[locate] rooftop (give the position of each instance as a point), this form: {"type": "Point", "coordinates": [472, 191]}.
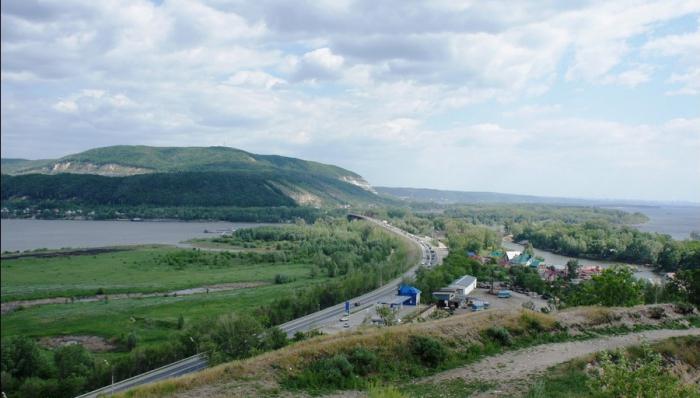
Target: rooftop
{"type": "Point", "coordinates": [464, 281]}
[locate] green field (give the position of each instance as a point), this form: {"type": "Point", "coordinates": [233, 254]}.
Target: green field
{"type": "Point", "coordinates": [141, 270]}
{"type": "Point", "coordinates": [152, 319]}
{"type": "Point", "coordinates": [303, 255]}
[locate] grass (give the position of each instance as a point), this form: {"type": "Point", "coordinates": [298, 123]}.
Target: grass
{"type": "Point", "coordinates": [566, 381]}
{"type": "Point", "coordinates": [153, 319]}
{"type": "Point", "coordinates": [140, 270]}
{"type": "Point", "coordinates": [456, 388]}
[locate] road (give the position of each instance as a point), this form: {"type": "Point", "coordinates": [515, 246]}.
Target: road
{"type": "Point", "coordinates": [179, 368]}
{"type": "Point", "coordinates": [429, 257]}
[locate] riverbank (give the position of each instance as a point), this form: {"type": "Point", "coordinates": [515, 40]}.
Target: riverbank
{"type": "Point", "coordinates": [26, 234]}
{"type": "Point", "coordinates": [642, 272]}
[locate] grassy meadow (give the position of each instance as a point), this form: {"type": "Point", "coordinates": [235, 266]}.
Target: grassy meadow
{"type": "Point", "coordinates": [139, 270]}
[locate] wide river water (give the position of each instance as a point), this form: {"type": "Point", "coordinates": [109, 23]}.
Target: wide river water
{"type": "Point", "coordinates": [56, 234]}
{"type": "Point", "coordinates": [677, 221]}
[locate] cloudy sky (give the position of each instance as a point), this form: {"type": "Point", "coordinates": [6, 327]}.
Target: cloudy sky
{"type": "Point", "coordinates": [593, 99]}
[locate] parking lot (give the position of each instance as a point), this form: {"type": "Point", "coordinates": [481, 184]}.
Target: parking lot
{"type": "Point", "coordinates": [515, 301]}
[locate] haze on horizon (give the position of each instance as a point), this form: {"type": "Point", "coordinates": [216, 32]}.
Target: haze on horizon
{"type": "Point", "coordinates": [589, 99]}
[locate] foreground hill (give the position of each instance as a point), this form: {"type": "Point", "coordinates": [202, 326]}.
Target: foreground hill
{"type": "Point", "coordinates": [172, 176]}
{"type": "Point", "coordinates": [422, 359]}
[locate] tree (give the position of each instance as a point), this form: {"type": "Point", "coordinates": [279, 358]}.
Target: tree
{"type": "Point", "coordinates": [572, 268]}
{"type": "Point", "coordinates": [21, 357]}
{"type": "Point", "coordinates": [237, 336]}
{"type": "Point", "coordinates": [73, 360]}
{"type": "Point", "coordinates": [388, 315]}
{"type": "Point", "coordinates": [275, 338]}
{"type": "Point", "coordinates": [688, 282]}
{"type": "Point", "coordinates": [614, 287]}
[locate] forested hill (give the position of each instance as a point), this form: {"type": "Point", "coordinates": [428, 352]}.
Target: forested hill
{"type": "Point", "coordinates": [193, 176]}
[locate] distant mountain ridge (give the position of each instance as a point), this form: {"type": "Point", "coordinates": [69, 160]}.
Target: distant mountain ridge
{"type": "Point", "coordinates": [274, 180]}
{"type": "Point", "coordinates": [453, 197]}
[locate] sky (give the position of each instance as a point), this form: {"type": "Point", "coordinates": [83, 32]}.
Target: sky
{"type": "Point", "coordinates": [592, 99]}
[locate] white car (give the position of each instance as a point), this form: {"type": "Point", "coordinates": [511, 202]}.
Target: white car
{"type": "Point", "coordinates": [347, 325]}
{"type": "Point", "coordinates": [345, 318]}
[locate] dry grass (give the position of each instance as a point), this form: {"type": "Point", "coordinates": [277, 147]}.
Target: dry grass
{"type": "Point", "coordinates": [266, 369]}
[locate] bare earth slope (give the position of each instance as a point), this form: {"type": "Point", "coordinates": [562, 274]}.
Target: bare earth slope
{"type": "Point", "coordinates": [514, 369]}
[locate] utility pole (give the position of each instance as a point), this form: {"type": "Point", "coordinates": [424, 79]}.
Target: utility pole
{"type": "Point", "coordinates": [111, 386]}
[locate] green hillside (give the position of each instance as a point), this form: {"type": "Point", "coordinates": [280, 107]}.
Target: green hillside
{"type": "Point", "coordinates": [173, 176]}
{"type": "Point", "coordinates": [169, 159]}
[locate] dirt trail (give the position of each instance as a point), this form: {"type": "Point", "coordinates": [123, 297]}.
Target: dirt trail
{"type": "Point", "coordinates": [511, 370]}
{"type": "Point", "coordinates": [10, 306]}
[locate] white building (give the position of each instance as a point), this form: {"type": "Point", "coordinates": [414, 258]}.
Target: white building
{"type": "Point", "coordinates": [463, 286]}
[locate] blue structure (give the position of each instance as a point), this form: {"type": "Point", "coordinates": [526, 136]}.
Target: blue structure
{"type": "Point", "coordinates": [411, 292]}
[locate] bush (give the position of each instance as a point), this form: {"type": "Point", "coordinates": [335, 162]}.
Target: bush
{"type": "Point", "coordinates": [131, 341]}
{"type": "Point", "coordinates": [282, 279]}
{"type": "Point", "coordinates": [180, 322]}
{"type": "Point", "coordinates": [429, 350]}
{"type": "Point", "coordinates": [684, 308]}
{"type": "Point", "coordinates": [333, 372]}
{"type": "Point", "coordinates": [364, 361]}
{"type": "Point", "coordinates": [656, 312]}
{"type": "Point", "coordinates": [500, 334]}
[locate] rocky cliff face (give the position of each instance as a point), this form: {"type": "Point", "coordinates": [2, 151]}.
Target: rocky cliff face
{"type": "Point", "coordinates": [109, 169]}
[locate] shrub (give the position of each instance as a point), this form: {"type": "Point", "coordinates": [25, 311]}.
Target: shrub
{"type": "Point", "coordinates": [618, 376]}
{"type": "Point", "coordinates": [429, 350]}
{"type": "Point", "coordinates": [333, 372]}
{"type": "Point", "coordinates": [529, 305]}
{"type": "Point", "coordinates": [363, 360]}
{"type": "Point", "coordinates": [180, 322]}
{"type": "Point", "coordinates": [500, 334]}
{"type": "Point", "coordinates": [656, 312]}
{"type": "Point", "coordinates": [131, 341]}
{"type": "Point", "coordinates": [684, 308]}
{"type": "Point", "coordinates": [281, 279]}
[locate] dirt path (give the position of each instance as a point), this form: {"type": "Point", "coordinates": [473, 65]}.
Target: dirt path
{"type": "Point", "coordinates": [10, 306]}
{"type": "Point", "coordinates": [511, 370]}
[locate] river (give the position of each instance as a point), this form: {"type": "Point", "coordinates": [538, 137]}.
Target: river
{"type": "Point", "coordinates": [677, 221]}
{"type": "Point", "coordinates": [645, 273]}
{"type": "Point", "coordinates": [55, 234]}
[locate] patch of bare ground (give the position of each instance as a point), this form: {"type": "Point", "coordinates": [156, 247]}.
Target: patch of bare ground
{"type": "Point", "coordinates": [92, 343]}
{"type": "Point", "coordinates": [245, 377]}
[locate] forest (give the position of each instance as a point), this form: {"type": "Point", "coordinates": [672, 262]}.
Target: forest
{"type": "Point", "coordinates": [601, 240]}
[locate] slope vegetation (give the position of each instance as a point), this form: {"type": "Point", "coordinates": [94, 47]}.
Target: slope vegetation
{"type": "Point", "coordinates": [194, 176]}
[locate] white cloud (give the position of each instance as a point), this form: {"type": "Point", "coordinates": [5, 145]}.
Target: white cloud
{"type": "Point", "coordinates": [367, 84]}
{"type": "Point", "coordinates": [319, 64]}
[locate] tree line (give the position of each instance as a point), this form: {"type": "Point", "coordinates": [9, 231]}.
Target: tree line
{"type": "Point", "coordinates": [603, 241]}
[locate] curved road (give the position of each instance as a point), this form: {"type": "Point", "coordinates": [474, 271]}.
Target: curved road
{"type": "Point", "coordinates": [303, 324]}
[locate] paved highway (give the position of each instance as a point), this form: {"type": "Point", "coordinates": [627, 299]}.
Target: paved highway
{"type": "Point", "coordinates": [303, 324]}
{"type": "Point", "coordinates": [179, 368]}
{"type": "Point", "coordinates": [332, 314]}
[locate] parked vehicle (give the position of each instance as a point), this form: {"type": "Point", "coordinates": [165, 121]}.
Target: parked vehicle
{"type": "Point", "coordinates": [505, 294]}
